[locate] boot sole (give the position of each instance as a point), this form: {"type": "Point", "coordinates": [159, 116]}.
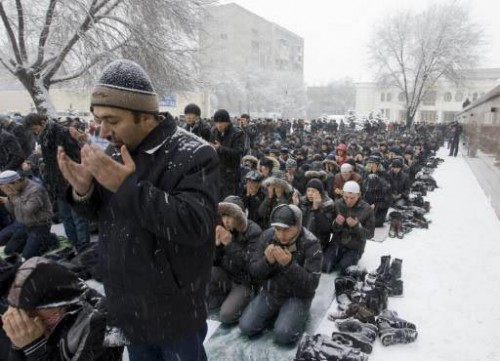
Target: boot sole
{"type": "Point", "coordinates": [351, 341]}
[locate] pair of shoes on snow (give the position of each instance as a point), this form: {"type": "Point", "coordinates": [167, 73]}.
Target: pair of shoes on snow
{"type": "Point", "coordinates": [388, 274]}
{"type": "Point", "coordinates": [392, 329]}
{"type": "Point", "coordinates": [356, 334]}
{"type": "Point", "coordinates": [320, 347]}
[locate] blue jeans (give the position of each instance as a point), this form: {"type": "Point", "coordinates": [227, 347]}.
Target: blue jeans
{"type": "Point", "coordinates": [337, 256]}
{"type": "Point", "coordinates": [188, 349]}
{"type": "Point", "coordinates": [29, 241]}
{"type": "Point", "coordinates": [75, 226]}
{"type": "Point", "coordinates": [290, 314]}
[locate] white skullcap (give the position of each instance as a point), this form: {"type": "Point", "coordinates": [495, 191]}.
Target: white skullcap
{"type": "Point", "coordinates": [351, 187]}
{"type": "Point", "coordinates": [345, 168]}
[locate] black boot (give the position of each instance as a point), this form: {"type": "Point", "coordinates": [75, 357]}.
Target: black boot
{"type": "Point", "coordinates": [395, 287]}
{"type": "Point", "coordinates": [344, 285]}
{"type": "Point", "coordinates": [353, 325]}
{"type": "Point", "coordinates": [383, 268]}
{"type": "Point", "coordinates": [320, 347]}
{"type": "Point", "coordinates": [356, 272]}
{"type": "Point", "coordinates": [354, 340]}
{"type": "Point", "coordinates": [396, 268]}
{"type": "Point", "coordinates": [376, 298]}
{"type": "Point", "coordinates": [393, 320]}
{"type": "Point", "coordinates": [390, 336]}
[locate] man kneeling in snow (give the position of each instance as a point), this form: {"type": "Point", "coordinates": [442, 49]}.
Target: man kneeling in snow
{"type": "Point", "coordinates": [288, 260]}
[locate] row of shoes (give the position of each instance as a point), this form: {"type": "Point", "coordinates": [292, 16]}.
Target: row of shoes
{"type": "Point", "coordinates": [362, 299]}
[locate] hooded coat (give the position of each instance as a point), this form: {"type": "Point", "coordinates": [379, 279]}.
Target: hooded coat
{"type": "Point", "coordinates": [80, 334]}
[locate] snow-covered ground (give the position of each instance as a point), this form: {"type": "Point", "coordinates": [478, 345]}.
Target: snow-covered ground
{"type": "Point", "coordinates": [451, 281]}
{"type": "Point", "coordinates": [451, 274]}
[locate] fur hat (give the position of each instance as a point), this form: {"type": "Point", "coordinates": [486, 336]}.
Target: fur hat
{"type": "Point", "coordinates": [124, 84]}
{"type": "Point", "coordinates": [222, 116]}
{"type": "Point", "coordinates": [250, 158]}
{"type": "Point", "coordinates": [321, 175]}
{"type": "Point", "coordinates": [277, 181]}
{"type": "Point", "coordinates": [234, 211]}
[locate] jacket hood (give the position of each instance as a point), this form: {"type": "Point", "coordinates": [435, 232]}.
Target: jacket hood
{"type": "Point", "coordinates": [277, 181]}
{"type": "Point", "coordinates": [234, 211]}
{"type": "Point", "coordinates": [40, 283]}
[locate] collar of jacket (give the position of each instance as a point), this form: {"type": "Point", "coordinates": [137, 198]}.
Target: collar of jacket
{"type": "Point", "coordinates": [157, 137]}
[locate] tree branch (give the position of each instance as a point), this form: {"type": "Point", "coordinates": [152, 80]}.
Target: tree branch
{"type": "Point", "coordinates": [10, 33]}
{"type": "Point", "coordinates": [20, 25]}
{"type": "Point", "coordinates": [44, 34]}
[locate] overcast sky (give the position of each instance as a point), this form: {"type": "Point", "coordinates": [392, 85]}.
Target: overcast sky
{"type": "Point", "coordinates": [336, 33]}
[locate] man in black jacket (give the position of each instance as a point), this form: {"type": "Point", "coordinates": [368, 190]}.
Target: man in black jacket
{"type": "Point", "coordinates": [54, 316]}
{"type": "Point", "coordinates": [24, 136]}
{"type": "Point", "coordinates": [228, 141]}
{"type": "Point", "coordinates": [288, 260]}
{"type": "Point", "coordinates": [194, 124]}
{"type": "Point", "coordinates": [50, 136]}
{"type": "Point", "coordinates": [11, 154]}
{"type": "Point", "coordinates": [155, 199]}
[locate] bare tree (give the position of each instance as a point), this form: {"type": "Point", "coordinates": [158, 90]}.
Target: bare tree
{"type": "Point", "coordinates": [46, 42]}
{"type": "Point", "coordinates": [413, 51]}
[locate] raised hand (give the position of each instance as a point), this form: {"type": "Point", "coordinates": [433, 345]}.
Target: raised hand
{"type": "Point", "coordinates": [108, 172]}
{"type": "Point", "coordinates": [75, 173]}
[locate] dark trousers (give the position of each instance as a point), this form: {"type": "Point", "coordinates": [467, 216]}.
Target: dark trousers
{"type": "Point", "coordinates": [380, 213]}
{"type": "Point", "coordinates": [339, 257]}
{"type": "Point", "coordinates": [453, 145]}
{"type": "Point", "coordinates": [75, 226]}
{"type": "Point", "coordinates": [28, 241]}
{"type": "Point", "coordinates": [188, 349]}
{"type": "Point", "coordinates": [5, 217]}
{"type": "Point", "coordinates": [289, 316]}
{"type": "Point", "coordinates": [231, 297]}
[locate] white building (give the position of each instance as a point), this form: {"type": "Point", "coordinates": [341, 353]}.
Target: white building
{"type": "Point", "coordinates": [441, 105]}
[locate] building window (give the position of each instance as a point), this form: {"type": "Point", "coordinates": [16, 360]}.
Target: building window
{"type": "Point", "coordinates": [429, 98]}
{"type": "Point", "coordinates": [388, 97]}
{"type": "Point", "coordinates": [447, 97]}
{"type": "Point", "coordinates": [401, 97]}
{"type": "Point", "coordinates": [448, 117]}
{"type": "Point", "coordinates": [382, 97]}
{"type": "Point", "coordinates": [428, 116]}
{"type": "Point", "coordinates": [223, 36]}
{"type": "Point", "coordinates": [474, 96]}
{"type": "Point", "coordinates": [459, 96]}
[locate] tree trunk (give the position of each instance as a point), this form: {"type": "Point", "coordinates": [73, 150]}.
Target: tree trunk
{"type": "Point", "coordinates": [409, 118]}
{"type": "Point", "coordinates": [39, 93]}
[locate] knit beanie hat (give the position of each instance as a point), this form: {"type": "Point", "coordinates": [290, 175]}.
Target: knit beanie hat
{"type": "Point", "coordinates": [192, 109]}
{"type": "Point", "coordinates": [266, 162]}
{"type": "Point", "coordinates": [124, 84]}
{"type": "Point", "coordinates": [222, 116]}
{"type": "Point", "coordinates": [290, 163]}
{"type": "Point", "coordinates": [41, 283]}
{"type": "Point", "coordinates": [316, 184]}
{"type": "Point", "coordinates": [351, 187]}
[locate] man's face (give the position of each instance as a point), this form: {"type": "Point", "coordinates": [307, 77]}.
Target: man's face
{"type": "Point", "coordinates": [350, 199]}
{"type": "Point", "coordinates": [346, 175]}
{"type": "Point", "coordinates": [312, 194]}
{"type": "Point", "coordinates": [286, 235]}
{"type": "Point", "coordinates": [191, 118]}
{"type": "Point", "coordinates": [264, 170]}
{"type": "Point", "coordinates": [243, 121]}
{"type": "Point", "coordinates": [228, 223]}
{"type": "Point", "coordinates": [37, 129]}
{"type": "Point", "coordinates": [396, 170]}
{"type": "Point", "coordinates": [222, 126]}
{"type": "Point", "coordinates": [119, 126]}
{"type": "Point", "coordinates": [252, 186]}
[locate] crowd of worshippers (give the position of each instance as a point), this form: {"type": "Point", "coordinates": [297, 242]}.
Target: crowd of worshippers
{"type": "Point", "coordinates": [294, 202]}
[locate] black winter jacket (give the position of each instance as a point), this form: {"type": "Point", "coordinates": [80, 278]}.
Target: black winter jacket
{"type": "Point", "coordinates": [79, 336]}
{"type": "Point", "coordinates": [300, 277]}
{"type": "Point", "coordinates": [200, 128]}
{"type": "Point", "coordinates": [353, 237]}
{"type": "Point", "coordinates": [156, 236]}
{"type": "Point", "coordinates": [318, 221]}
{"type": "Point", "coordinates": [11, 154]}
{"type": "Point", "coordinates": [235, 257]}
{"type": "Point", "coordinates": [55, 135]}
